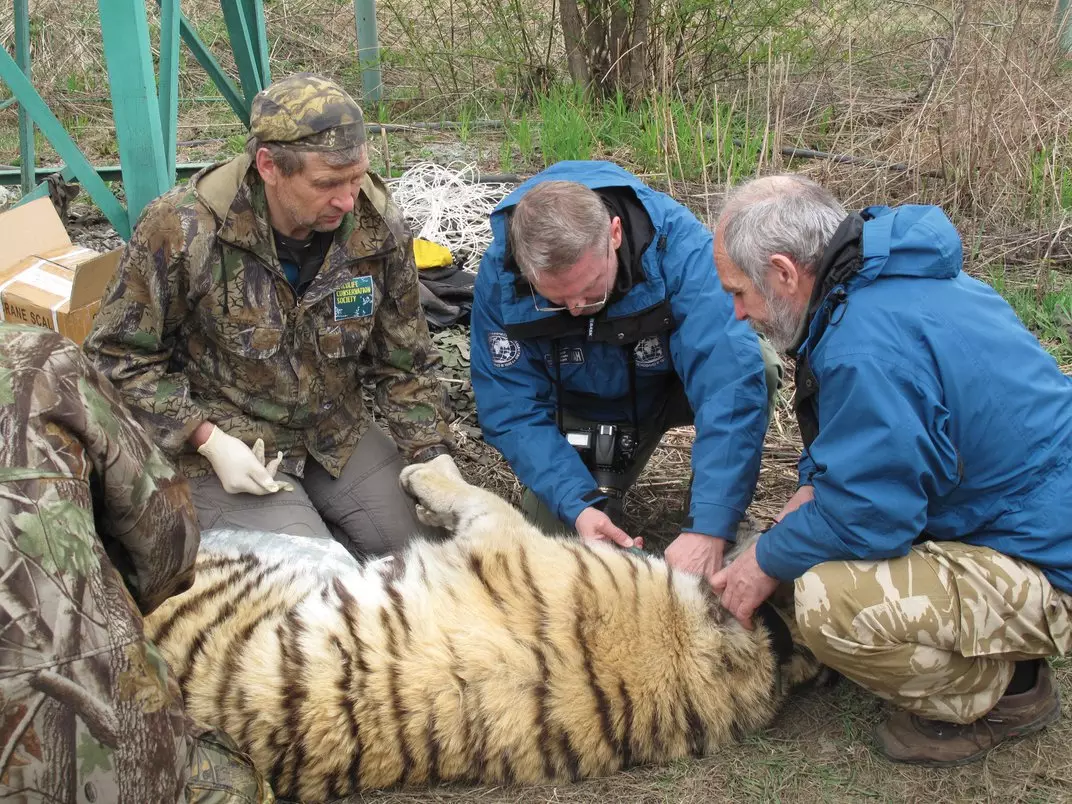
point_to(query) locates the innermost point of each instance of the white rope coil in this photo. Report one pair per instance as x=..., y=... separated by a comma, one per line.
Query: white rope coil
x=447, y=206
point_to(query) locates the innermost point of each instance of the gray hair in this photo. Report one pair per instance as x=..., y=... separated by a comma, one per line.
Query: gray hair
x=784, y=214
x=291, y=160
x=554, y=224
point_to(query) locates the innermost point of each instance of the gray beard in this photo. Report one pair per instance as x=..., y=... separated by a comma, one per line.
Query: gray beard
x=784, y=323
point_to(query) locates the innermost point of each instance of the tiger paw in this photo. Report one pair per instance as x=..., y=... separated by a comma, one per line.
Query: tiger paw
x=437, y=486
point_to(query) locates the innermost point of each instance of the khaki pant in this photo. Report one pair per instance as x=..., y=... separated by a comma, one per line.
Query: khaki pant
x=221, y=774
x=936, y=632
x=675, y=412
x=364, y=509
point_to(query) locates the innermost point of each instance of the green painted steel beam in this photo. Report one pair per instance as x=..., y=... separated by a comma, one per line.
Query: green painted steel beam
x=209, y=64
x=168, y=81
x=258, y=35
x=26, y=126
x=135, y=105
x=13, y=176
x=61, y=141
x=368, y=50
x=1064, y=25
x=242, y=45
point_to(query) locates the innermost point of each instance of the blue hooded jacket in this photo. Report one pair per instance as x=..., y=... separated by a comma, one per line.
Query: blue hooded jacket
x=939, y=414
x=717, y=358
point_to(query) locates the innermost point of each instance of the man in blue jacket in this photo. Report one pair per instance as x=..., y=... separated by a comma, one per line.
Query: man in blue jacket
x=598, y=323
x=930, y=540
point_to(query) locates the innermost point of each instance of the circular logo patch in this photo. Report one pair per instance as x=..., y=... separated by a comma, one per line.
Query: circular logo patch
x=504, y=352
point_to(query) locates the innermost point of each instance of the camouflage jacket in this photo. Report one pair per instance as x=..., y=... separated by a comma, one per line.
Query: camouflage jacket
x=88, y=709
x=200, y=324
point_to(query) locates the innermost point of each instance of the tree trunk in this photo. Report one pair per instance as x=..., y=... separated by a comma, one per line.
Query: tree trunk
x=607, y=49
x=636, y=67
x=618, y=42
x=573, y=34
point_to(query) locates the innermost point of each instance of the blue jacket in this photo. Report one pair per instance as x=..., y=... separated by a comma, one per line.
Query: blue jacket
x=938, y=412
x=716, y=357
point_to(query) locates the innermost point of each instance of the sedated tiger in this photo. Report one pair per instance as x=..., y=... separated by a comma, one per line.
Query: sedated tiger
x=499, y=656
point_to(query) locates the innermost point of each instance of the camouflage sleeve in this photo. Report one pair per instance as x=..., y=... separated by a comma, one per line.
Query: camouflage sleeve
x=402, y=358
x=141, y=313
x=144, y=512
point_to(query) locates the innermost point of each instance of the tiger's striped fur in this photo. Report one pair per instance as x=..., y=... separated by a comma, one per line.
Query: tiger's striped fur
x=499, y=656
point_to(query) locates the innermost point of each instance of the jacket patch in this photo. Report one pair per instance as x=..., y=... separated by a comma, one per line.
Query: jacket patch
x=567, y=356
x=649, y=352
x=355, y=299
x=504, y=352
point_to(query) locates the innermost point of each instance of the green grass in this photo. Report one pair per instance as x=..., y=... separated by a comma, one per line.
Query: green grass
x=1050, y=179
x=685, y=141
x=1046, y=308
x=565, y=127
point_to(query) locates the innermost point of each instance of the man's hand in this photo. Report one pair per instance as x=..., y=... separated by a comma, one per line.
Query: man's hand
x=803, y=494
x=594, y=526
x=743, y=586
x=696, y=553
x=239, y=468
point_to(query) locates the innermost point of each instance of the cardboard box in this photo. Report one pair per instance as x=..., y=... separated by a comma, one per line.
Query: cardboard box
x=46, y=280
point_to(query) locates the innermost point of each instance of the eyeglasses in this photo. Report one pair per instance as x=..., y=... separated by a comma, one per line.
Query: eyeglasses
x=561, y=308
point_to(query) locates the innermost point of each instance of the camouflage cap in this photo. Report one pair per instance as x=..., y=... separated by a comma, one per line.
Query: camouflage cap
x=308, y=112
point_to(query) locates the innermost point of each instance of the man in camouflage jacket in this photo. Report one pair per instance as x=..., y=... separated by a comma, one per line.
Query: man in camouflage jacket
x=246, y=309
x=96, y=530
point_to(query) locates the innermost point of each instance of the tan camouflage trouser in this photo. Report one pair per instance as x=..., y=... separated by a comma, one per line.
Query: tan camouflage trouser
x=936, y=632
x=221, y=774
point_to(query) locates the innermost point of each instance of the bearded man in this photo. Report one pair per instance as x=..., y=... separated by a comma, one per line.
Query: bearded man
x=930, y=540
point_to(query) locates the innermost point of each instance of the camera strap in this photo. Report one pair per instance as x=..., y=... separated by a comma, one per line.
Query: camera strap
x=556, y=361
x=630, y=357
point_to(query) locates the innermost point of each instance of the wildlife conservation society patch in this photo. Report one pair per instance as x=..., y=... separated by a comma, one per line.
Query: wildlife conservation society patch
x=354, y=299
x=504, y=352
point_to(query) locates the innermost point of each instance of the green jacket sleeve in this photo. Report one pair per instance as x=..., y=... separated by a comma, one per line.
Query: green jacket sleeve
x=402, y=360
x=141, y=315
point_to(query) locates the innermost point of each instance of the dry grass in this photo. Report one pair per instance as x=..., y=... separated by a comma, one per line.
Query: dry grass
x=970, y=96
x=817, y=750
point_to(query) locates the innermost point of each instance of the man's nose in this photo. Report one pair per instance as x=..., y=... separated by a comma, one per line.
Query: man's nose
x=738, y=309
x=344, y=203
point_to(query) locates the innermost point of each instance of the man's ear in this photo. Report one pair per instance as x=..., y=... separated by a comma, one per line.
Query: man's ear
x=266, y=166
x=786, y=274
x=615, y=232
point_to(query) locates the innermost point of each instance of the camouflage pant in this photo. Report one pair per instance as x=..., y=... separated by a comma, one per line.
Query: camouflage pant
x=936, y=632
x=221, y=774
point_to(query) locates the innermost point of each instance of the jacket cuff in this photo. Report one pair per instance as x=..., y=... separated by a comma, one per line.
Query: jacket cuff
x=712, y=519
x=569, y=510
x=426, y=454
x=774, y=561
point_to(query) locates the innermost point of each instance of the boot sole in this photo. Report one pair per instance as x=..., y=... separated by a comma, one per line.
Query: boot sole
x=1035, y=726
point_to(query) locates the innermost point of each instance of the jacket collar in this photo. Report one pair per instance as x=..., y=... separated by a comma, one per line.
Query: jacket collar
x=841, y=260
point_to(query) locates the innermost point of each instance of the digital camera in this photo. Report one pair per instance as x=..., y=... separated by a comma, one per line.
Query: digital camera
x=608, y=450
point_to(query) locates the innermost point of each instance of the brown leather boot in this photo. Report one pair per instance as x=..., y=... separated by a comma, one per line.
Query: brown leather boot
x=906, y=737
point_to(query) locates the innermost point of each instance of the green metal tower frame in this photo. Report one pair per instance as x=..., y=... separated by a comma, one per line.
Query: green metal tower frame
x=146, y=110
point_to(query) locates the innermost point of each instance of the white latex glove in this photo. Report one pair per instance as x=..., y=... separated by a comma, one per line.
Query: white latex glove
x=239, y=468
